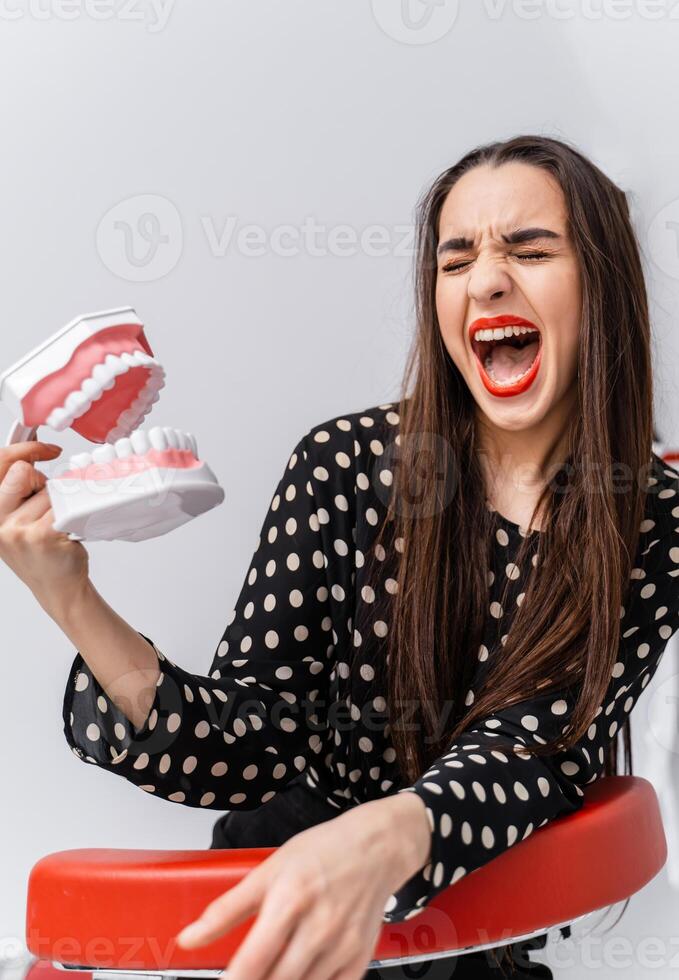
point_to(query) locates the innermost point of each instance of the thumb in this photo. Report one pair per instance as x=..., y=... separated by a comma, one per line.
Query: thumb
x=21, y=481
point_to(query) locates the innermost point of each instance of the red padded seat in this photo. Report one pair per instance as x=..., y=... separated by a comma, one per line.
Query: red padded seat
x=120, y=909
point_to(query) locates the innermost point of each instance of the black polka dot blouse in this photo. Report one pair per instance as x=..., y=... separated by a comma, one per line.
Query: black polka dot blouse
x=275, y=700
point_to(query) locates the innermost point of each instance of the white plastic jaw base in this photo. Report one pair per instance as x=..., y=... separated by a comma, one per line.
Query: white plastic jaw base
x=20, y=433
x=132, y=508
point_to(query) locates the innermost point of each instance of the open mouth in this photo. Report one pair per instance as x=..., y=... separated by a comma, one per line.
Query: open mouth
x=507, y=355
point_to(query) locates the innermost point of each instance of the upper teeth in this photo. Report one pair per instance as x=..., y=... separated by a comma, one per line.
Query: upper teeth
x=497, y=333
x=101, y=379
x=139, y=443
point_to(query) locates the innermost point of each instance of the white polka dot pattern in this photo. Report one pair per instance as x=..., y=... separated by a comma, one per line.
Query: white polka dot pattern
x=264, y=700
x=313, y=613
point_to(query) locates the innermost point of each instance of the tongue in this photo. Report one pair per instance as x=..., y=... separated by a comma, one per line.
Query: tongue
x=507, y=362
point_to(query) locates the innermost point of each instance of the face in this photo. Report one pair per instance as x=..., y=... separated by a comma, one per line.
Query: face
x=535, y=282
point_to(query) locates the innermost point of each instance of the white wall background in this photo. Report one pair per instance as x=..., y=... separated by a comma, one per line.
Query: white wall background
x=274, y=114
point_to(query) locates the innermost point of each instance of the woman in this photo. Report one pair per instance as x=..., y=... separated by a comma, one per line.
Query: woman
x=494, y=552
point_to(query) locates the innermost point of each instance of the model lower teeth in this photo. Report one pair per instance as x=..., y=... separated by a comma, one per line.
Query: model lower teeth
x=138, y=444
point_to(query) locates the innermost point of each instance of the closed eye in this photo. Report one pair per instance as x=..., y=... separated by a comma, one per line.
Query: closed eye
x=534, y=256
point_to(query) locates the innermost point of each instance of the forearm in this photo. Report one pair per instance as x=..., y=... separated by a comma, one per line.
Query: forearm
x=122, y=661
x=398, y=827
x=411, y=833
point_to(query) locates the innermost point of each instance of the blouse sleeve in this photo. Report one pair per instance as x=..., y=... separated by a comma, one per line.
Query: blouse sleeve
x=234, y=737
x=480, y=804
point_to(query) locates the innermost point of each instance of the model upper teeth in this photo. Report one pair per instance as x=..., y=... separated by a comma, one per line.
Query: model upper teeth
x=497, y=333
x=139, y=443
x=102, y=378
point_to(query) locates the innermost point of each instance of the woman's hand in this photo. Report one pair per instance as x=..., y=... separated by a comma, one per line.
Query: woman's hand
x=52, y=565
x=320, y=898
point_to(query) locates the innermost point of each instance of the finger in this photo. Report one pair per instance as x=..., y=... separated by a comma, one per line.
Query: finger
x=36, y=478
x=32, y=452
x=265, y=942
x=20, y=482
x=354, y=970
x=45, y=524
x=307, y=959
x=33, y=508
x=225, y=912
x=331, y=964
x=299, y=958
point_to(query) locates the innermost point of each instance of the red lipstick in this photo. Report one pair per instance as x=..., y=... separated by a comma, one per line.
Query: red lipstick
x=505, y=320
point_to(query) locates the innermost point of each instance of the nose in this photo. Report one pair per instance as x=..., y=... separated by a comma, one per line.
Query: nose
x=488, y=279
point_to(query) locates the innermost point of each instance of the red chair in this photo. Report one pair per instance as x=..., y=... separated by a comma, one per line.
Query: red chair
x=117, y=911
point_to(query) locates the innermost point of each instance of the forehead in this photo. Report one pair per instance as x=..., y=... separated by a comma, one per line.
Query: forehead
x=491, y=200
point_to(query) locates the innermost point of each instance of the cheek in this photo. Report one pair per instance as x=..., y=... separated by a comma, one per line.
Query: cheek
x=574, y=348
x=558, y=301
x=450, y=313
x=441, y=300
x=572, y=321
x=567, y=348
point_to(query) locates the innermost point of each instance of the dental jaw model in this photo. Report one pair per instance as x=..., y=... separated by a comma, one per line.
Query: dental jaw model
x=99, y=377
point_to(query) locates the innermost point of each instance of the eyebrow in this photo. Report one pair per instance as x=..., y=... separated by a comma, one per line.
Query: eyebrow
x=517, y=237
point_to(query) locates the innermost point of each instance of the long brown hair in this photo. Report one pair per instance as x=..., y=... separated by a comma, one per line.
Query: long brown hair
x=565, y=634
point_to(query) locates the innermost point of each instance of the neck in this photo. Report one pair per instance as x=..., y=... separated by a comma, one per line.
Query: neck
x=525, y=460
